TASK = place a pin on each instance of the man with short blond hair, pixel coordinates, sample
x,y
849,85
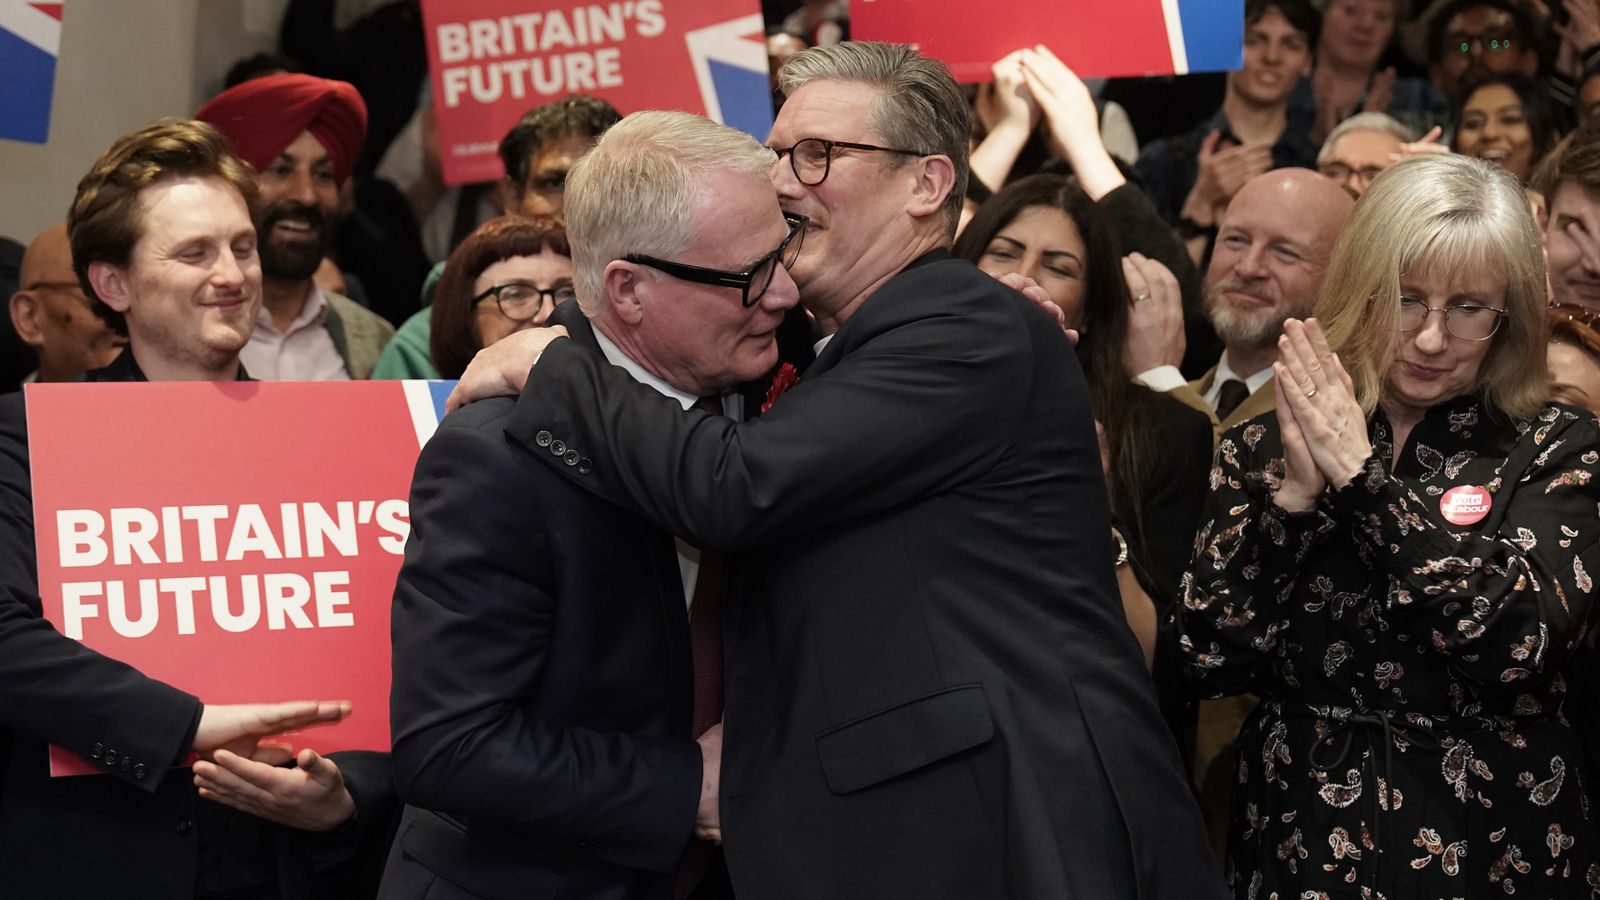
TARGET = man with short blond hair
x,y
573,720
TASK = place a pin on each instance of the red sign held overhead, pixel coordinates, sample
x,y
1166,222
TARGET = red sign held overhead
x,y
238,541
490,61
1094,37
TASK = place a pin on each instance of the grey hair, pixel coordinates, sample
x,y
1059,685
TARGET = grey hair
x,y
921,107
1367,121
635,191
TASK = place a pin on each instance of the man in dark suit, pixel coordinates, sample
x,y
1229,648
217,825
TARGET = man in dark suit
x,y
931,691
162,243
542,694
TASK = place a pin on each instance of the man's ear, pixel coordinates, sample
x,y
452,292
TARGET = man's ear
x,y
110,285
935,179
622,282
25,312
1530,63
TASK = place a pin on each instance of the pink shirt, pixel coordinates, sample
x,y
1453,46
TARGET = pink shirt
x,y
302,352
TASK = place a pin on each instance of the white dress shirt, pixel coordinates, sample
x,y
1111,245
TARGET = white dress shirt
x,y
732,406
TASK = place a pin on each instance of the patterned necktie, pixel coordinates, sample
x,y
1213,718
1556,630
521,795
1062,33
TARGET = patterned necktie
x,y
1232,394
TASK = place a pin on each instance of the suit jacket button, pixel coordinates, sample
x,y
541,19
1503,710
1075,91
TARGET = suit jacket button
x,y
96,750
127,764
542,439
140,771
185,826
585,466
571,458
558,447
110,758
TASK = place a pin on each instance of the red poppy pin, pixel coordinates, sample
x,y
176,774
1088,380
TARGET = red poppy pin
x,y
788,376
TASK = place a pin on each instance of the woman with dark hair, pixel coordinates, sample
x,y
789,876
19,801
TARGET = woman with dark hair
x,y
506,276
1506,119
1158,450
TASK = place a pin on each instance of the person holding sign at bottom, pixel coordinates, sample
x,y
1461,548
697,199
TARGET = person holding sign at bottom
x,y
932,691
549,689
1398,561
162,243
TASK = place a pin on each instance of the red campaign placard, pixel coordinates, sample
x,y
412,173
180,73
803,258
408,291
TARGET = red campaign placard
x,y
490,61
1097,39
239,541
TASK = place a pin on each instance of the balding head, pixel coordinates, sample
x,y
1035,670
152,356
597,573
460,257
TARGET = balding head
x,y
52,314
1272,249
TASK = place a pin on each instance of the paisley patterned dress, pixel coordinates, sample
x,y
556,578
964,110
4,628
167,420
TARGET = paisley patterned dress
x,y
1410,742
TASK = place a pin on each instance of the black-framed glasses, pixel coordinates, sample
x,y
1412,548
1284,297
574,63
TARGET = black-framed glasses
x,y
812,158
521,301
1466,321
752,282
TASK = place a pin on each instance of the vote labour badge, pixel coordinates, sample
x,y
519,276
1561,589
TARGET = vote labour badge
x,y
1465,504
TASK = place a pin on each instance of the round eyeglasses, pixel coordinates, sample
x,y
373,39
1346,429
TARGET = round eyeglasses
x,y
521,301
1466,321
812,158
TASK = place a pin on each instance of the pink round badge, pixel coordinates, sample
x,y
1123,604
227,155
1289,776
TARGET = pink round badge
x,y
1465,504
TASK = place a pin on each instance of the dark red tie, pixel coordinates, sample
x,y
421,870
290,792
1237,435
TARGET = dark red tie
x,y
705,641
705,650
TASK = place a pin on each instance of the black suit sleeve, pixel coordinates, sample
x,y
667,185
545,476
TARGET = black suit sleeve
x,y
921,399
473,623
53,688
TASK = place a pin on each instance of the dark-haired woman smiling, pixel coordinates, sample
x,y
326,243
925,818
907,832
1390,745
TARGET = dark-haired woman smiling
x,y
1157,449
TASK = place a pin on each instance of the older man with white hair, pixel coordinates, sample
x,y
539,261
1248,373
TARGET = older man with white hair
x,y
549,683
1360,147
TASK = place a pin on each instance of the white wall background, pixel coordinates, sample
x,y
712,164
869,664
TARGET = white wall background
x,y
125,63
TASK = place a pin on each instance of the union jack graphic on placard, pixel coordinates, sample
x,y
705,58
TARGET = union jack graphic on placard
x,y
30,38
1096,38
730,63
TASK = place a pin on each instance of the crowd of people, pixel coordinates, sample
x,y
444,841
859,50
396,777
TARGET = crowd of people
x,y
1035,489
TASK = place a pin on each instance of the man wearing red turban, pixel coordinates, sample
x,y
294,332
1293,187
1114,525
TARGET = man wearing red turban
x,y
302,134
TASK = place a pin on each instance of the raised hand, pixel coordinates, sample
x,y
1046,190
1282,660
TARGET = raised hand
x,y
1073,119
1322,399
1007,100
1380,91
1220,172
1155,320
1428,144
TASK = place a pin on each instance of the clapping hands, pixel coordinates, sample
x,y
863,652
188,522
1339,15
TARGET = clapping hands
x,y
1324,428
